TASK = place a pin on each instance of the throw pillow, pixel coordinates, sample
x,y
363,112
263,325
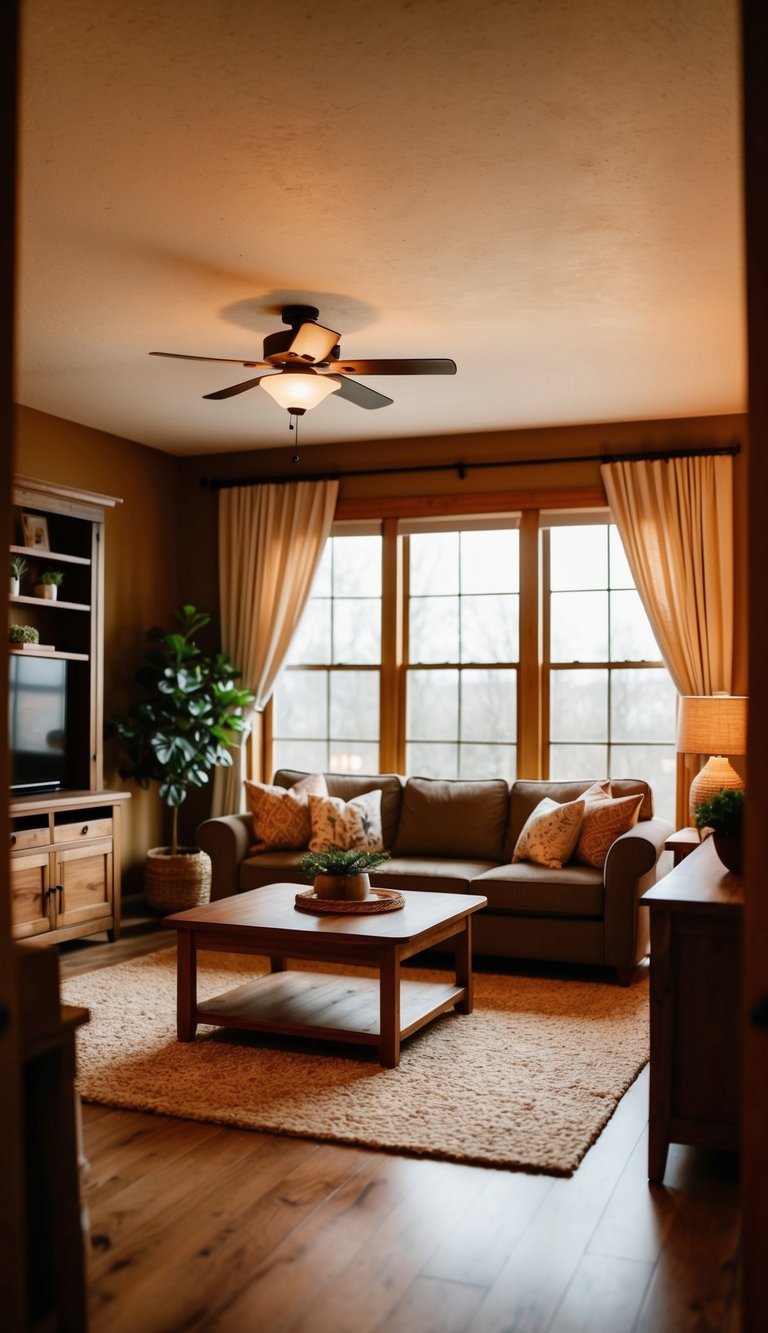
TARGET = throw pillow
x,y
604,821
281,819
550,833
346,824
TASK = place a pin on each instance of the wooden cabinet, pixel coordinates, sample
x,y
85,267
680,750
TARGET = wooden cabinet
x,y
65,829
696,919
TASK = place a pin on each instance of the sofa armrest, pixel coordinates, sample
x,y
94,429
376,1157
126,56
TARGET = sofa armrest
x,y
630,870
227,840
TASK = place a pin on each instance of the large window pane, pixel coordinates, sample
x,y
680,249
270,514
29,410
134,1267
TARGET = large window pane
x,y
306,756
434,563
356,567
578,706
643,706
355,704
488,706
655,764
352,756
490,561
487,761
301,705
311,644
357,631
578,558
579,627
433,705
621,574
632,638
572,762
423,760
434,629
489,628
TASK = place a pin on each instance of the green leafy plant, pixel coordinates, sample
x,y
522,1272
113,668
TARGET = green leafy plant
x,y
23,634
722,813
179,733
339,862
19,567
52,576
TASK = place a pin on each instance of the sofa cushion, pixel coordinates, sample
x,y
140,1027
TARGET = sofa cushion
x,y
535,891
604,821
549,835
349,785
449,818
436,874
346,824
271,868
281,818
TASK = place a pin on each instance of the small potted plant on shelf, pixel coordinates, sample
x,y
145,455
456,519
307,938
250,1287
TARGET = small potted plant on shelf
x,y
722,816
50,582
20,634
341,874
19,568
176,736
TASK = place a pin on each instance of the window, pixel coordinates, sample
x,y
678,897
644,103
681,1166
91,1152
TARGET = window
x,y
325,709
461,686
611,700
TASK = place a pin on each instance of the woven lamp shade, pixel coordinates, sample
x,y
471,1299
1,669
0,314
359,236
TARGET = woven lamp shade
x,y
713,724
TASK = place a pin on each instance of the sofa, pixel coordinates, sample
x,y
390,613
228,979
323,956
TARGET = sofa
x,y
452,836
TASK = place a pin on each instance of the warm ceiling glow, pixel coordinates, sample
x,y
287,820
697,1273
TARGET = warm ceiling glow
x,y
300,389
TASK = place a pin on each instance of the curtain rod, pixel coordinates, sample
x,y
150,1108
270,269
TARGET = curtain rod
x,y
664,456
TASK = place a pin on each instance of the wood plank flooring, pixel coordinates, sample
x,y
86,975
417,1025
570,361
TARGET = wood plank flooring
x,y
197,1227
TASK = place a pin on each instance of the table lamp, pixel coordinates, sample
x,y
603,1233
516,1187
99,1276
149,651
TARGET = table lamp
x,y
713,724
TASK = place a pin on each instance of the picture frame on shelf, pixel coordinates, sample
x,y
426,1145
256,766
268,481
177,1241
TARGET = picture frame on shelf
x,y
35,530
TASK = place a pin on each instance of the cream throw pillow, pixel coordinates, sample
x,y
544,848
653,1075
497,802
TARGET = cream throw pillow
x,y
281,820
605,819
550,833
354,824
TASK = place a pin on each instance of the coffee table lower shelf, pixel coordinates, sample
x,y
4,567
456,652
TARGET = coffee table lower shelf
x,y
326,1006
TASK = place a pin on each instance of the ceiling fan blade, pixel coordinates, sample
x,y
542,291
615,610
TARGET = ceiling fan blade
x,y
312,343
235,388
184,356
413,366
361,395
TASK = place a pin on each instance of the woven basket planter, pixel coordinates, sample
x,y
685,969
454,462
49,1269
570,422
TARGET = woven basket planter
x,y
174,883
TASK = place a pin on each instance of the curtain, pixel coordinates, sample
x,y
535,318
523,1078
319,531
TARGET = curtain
x,y
271,539
675,519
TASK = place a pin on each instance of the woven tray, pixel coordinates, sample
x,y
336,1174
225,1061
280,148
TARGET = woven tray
x,y
387,900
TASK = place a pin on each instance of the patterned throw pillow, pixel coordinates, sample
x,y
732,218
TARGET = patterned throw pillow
x,y
346,824
550,833
281,820
604,821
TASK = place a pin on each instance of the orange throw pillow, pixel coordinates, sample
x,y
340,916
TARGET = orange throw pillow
x,y
605,819
281,819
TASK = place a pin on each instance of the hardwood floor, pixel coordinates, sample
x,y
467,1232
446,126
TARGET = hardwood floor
x,y
196,1227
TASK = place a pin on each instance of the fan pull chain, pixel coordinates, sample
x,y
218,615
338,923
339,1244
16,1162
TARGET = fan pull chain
x,y
293,424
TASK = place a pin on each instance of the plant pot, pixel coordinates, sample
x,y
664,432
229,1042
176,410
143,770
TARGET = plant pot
x,y
46,590
729,852
15,586
174,883
352,888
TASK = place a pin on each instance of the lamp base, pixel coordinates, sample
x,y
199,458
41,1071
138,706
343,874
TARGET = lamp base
x,y
716,774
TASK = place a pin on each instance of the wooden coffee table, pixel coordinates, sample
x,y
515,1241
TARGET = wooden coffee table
x,y
378,1011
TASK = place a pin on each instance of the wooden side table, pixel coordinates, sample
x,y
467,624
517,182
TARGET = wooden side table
x,y
682,843
696,916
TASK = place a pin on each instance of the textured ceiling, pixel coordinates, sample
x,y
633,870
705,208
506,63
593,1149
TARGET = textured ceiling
x,y
547,191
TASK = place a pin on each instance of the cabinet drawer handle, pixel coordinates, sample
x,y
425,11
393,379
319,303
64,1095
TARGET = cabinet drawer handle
x,y
84,829
13,839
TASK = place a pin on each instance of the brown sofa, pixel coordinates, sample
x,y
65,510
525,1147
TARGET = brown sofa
x,y
458,837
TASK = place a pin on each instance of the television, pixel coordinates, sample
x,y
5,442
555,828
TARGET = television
x,y
37,722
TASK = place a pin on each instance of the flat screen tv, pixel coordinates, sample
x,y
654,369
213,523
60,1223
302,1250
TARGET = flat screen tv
x,y
37,722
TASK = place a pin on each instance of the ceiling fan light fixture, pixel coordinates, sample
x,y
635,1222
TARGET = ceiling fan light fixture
x,y
299,388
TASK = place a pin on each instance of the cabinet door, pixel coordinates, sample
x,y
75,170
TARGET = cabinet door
x,y
83,883
30,885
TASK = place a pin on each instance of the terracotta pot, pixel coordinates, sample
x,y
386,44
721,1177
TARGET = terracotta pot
x,y
353,888
729,852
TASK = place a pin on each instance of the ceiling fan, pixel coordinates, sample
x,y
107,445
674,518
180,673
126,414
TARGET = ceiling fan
x,y
301,359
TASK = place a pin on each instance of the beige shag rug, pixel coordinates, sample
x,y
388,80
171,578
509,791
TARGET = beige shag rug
x,y
527,1081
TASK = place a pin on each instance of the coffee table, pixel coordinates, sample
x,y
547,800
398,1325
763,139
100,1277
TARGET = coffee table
x,y
374,1011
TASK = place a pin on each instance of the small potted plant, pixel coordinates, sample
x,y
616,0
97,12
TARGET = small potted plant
x,y
50,582
722,815
341,874
23,634
19,568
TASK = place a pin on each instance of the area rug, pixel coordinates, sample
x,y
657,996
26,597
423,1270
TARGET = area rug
x,y
527,1081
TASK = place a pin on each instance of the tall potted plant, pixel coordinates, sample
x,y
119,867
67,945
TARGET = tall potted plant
x,y
176,736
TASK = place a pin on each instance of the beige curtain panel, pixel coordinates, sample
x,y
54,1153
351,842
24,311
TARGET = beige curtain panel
x,y
675,520
271,539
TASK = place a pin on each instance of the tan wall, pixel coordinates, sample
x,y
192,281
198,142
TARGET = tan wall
x,y
141,569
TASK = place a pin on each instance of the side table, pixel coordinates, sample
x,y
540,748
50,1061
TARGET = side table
x,y
696,921
682,843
